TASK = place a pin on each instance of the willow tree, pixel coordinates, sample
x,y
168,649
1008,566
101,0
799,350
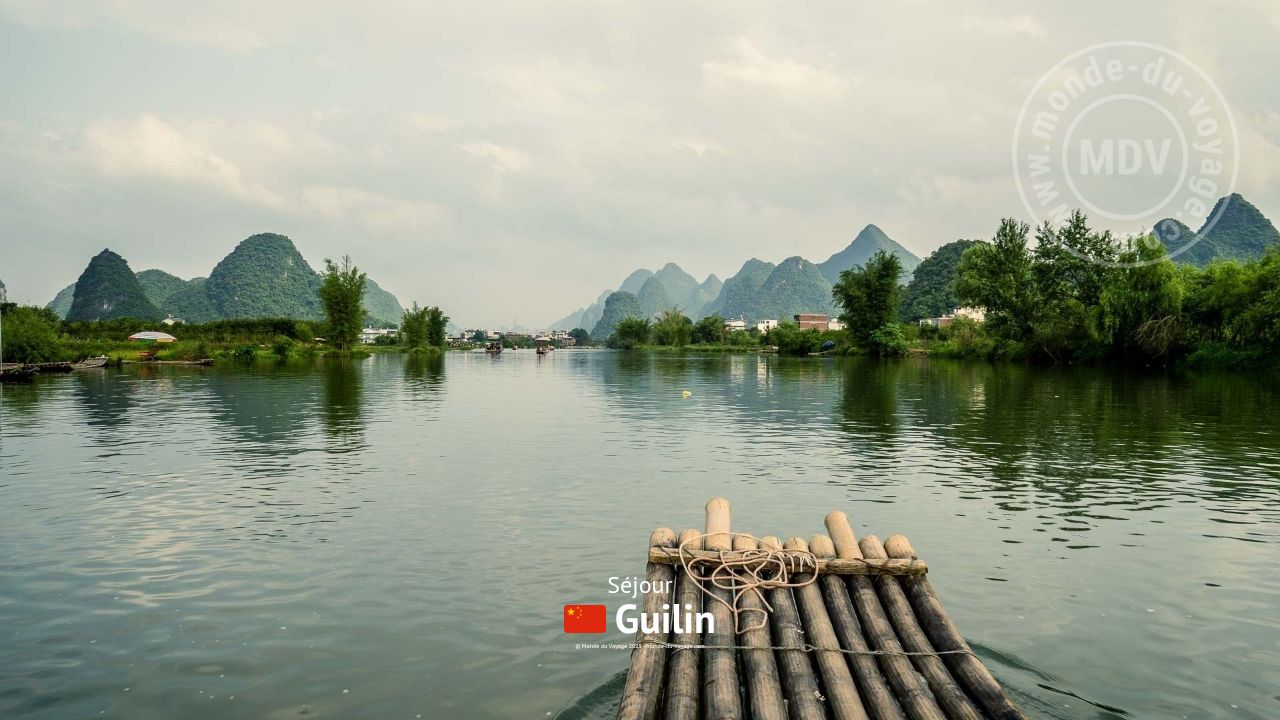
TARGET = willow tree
x,y
342,299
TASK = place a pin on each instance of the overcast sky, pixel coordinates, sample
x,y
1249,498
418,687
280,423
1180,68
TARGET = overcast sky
x,y
510,162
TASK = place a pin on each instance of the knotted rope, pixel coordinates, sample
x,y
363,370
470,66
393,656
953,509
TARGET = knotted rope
x,y
750,571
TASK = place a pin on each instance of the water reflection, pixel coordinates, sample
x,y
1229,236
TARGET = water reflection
x,y
340,408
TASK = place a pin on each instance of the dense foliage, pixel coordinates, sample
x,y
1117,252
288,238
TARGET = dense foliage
x,y
581,337
30,334
932,290
631,332
108,289
869,297
672,328
341,296
1138,307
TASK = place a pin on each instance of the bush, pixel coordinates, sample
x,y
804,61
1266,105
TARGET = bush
x,y
887,341
30,334
630,333
244,353
283,346
791,340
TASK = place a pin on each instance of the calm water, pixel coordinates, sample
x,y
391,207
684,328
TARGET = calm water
x,y
395,539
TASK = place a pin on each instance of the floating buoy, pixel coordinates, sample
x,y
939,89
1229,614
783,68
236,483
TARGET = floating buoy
x,y
685,394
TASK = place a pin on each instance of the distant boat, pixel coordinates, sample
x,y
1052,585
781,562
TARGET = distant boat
x,y
92,362
543,349
494,348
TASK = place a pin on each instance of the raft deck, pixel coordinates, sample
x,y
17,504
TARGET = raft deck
x,y
835,627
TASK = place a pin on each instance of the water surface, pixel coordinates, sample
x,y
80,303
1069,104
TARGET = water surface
x,y
396,537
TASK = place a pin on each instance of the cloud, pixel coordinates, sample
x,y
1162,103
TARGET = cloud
x,y
148,146
382,214
749,67
1003,26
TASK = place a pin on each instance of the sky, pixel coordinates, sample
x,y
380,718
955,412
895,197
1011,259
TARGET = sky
x,y
509,162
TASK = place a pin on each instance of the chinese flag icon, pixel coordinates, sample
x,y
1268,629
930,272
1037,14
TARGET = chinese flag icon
x,y
584,618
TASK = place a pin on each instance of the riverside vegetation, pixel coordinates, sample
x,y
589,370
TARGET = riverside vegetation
x,y
35,334
1079,295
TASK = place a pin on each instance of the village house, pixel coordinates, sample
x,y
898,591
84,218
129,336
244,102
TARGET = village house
x,y
811,321
974,314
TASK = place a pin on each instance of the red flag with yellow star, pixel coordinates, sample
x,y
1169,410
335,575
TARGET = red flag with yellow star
x,y
584,618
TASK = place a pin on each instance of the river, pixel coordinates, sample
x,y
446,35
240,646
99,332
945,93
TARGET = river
x,y
396,537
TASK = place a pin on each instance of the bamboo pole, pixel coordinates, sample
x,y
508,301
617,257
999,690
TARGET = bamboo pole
x,y
682,674
836,566
912,693
879,699
643,688
842,696
799,681
945,689
764,689
719,666
967,668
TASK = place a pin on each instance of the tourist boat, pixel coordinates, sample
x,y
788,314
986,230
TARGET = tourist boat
x,y
494,348
92,362
543,349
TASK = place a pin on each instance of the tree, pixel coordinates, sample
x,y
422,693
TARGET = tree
x,y
709,330
478,336
932,290
342,299
436,324
581,338
673,328
869,296
630,333
997,277
791,340
30,333
1141,304
413,327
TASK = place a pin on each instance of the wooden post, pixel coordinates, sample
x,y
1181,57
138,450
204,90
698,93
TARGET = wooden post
x,y
842,696
942,633
643,689
945,690
682,674
764,690
911,692
719,666
799,681
875,692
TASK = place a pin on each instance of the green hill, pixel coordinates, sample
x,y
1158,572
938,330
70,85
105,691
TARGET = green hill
x,y
654,298
107,290
932,291
61,303
617,307
161,287
381,306
740,291
1241,232
635,281
795,286
868,241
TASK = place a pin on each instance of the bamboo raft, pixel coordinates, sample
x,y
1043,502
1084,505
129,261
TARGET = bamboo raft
x,y
835,627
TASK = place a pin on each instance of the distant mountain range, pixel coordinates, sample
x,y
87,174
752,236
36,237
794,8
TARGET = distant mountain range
x,y
760,290
264,276
1242,232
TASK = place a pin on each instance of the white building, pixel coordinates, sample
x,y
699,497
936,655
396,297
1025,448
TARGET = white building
x,y
835,324
975,314
735,325
370,335
766,325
